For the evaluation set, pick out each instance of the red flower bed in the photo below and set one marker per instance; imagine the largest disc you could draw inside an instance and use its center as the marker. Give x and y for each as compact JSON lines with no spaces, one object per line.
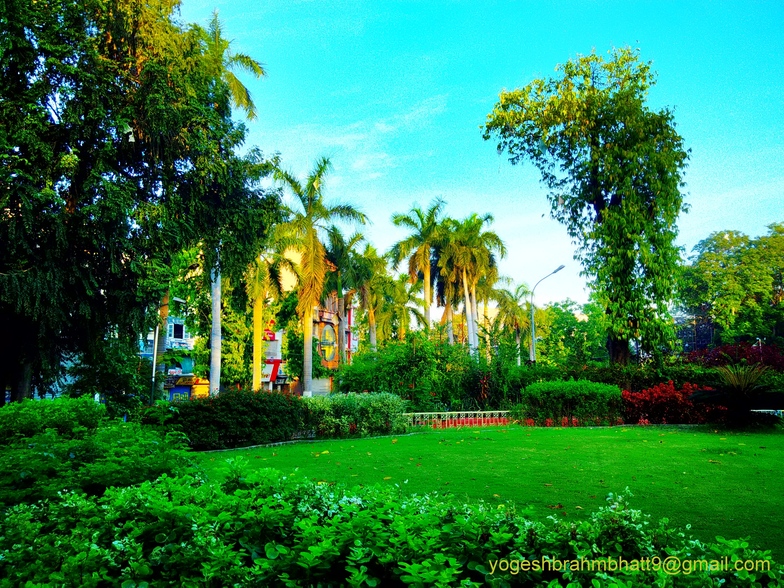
{"x":664,"y":404}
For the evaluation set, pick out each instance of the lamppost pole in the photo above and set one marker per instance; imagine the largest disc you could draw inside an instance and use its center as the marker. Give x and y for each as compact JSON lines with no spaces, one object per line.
{"x":532,"y":355}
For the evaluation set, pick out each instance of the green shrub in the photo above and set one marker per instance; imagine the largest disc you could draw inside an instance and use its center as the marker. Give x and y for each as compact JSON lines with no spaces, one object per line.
{"x":233,"y":418}
{"x":266,"y":530}
{"x":344,"y":415}
{"x":548,"y":403}
{"x":68,"y":417}
{"x":115,"y":454}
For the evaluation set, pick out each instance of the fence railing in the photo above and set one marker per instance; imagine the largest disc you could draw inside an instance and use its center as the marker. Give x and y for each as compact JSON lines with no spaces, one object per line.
{"x":463,"y":418}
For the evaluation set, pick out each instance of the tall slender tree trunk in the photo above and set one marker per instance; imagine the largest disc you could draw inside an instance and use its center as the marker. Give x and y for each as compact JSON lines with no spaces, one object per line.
{"x":372,"y":327}
{"x":486,"y":325}
{"x":475,"y":315}
{"x":215,"y":335}
{"x":160,"y":343}
{"x":467,"y":304}
{"x":258,"y":338}
{"x":519,"y":349}
{"x":450,"y":328}
{"x":428,"y":296}
{"x":307,"y":353}
{"x":341,"y":331}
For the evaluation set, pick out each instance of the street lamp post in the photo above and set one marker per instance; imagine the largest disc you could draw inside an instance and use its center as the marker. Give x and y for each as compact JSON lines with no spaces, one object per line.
{"x":532,"y":355}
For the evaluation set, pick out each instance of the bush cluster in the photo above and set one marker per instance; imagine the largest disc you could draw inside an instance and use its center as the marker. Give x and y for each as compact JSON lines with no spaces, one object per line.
{"x":66,"y":417}
{"x":576,"y":401}
{"x":345,"y":415}
{"x":265,"y":530}
{"x":53,"y":445}
{"x":241,"y":418}
{"x":665,"y":404}
{"x":233,"y":418}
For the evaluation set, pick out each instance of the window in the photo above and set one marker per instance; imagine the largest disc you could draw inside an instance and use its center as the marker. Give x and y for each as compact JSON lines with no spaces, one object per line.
{"x":178,"y":331}
{"x":170,"y":333}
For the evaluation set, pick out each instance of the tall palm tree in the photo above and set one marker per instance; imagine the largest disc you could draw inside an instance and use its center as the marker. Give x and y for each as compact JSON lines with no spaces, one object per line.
{"x":307,"y":223}
{"x":418,"y":246}
{"x":468,"y":252}
{"x":400,"y":307}
{"x":371,"y":277}
{"x":341,"y":254}
{"x":264,"y":281}
{"x":220,"y":62}
{"x":513,"y":313}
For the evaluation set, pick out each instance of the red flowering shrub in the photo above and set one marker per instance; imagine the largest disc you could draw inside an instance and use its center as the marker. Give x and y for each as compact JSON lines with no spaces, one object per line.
{"x":769,"y":355}
{"x":548,"y":422}
{"x":664,"y":404}
{"x":530,"y":423}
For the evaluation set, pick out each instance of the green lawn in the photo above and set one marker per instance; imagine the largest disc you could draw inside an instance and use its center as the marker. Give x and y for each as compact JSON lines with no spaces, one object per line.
{"x":722,"y":483}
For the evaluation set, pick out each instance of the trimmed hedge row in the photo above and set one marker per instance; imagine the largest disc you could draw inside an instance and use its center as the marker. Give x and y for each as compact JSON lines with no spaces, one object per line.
{"x":241,"y":418}
{"x":579,"y":402}
{"x":265,"y":530}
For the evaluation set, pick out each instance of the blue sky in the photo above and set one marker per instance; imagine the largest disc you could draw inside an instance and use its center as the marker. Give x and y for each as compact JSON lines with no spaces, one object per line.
{"x":395,"y":94}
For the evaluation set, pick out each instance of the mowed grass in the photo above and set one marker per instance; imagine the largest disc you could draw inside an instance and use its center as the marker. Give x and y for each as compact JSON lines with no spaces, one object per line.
{"x":720,"y":482}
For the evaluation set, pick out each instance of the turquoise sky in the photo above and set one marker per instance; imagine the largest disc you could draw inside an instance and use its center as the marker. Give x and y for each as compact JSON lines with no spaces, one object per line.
{"x":395,"y":92}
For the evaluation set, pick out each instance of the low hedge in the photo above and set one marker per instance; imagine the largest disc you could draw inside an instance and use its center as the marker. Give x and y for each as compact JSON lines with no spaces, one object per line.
{"x":345,"y":415}
{"x":241,"y":418}
{"x":233,"y":418}
{"x":266,"y":530}
{"x":576,"y":402}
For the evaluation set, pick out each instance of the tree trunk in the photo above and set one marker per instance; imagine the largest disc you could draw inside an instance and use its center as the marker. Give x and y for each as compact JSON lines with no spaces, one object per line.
{"x":372,"y":327}
{"x":215,"y":336}
{"x":160,"y":342}
{"x":450,"y":329}
{"x":469,"y":321}
{"x":23,"y":386}
{"x":475,"y":315}
{"x":428,"y":295}
{"x":618,"y":350}
{"x":307,"y":353}
{"x":341,"y":331}
{"x":519,"y":349}
{"x":258,"y":344}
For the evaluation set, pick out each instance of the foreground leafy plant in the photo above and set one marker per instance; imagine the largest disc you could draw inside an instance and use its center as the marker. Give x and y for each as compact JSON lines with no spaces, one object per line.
{"x":267,"y":530}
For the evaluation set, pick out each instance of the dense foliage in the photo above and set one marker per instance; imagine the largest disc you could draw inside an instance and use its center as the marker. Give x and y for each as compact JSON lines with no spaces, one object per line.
{"x":265,"y":529}
{"x":50,"y":446}
{"x":577,"y":402}
{"x":737,"y":284}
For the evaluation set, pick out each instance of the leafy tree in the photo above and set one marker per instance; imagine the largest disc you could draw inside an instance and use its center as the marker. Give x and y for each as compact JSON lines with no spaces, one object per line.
{"x":307,"y":224}
{"x":418,"y":247}
{"x":96,"y":104}
{"x":115,"y":141}
{"x":613,"y":169}
{"x":738,"y":283}
{"x":575,"y":334}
